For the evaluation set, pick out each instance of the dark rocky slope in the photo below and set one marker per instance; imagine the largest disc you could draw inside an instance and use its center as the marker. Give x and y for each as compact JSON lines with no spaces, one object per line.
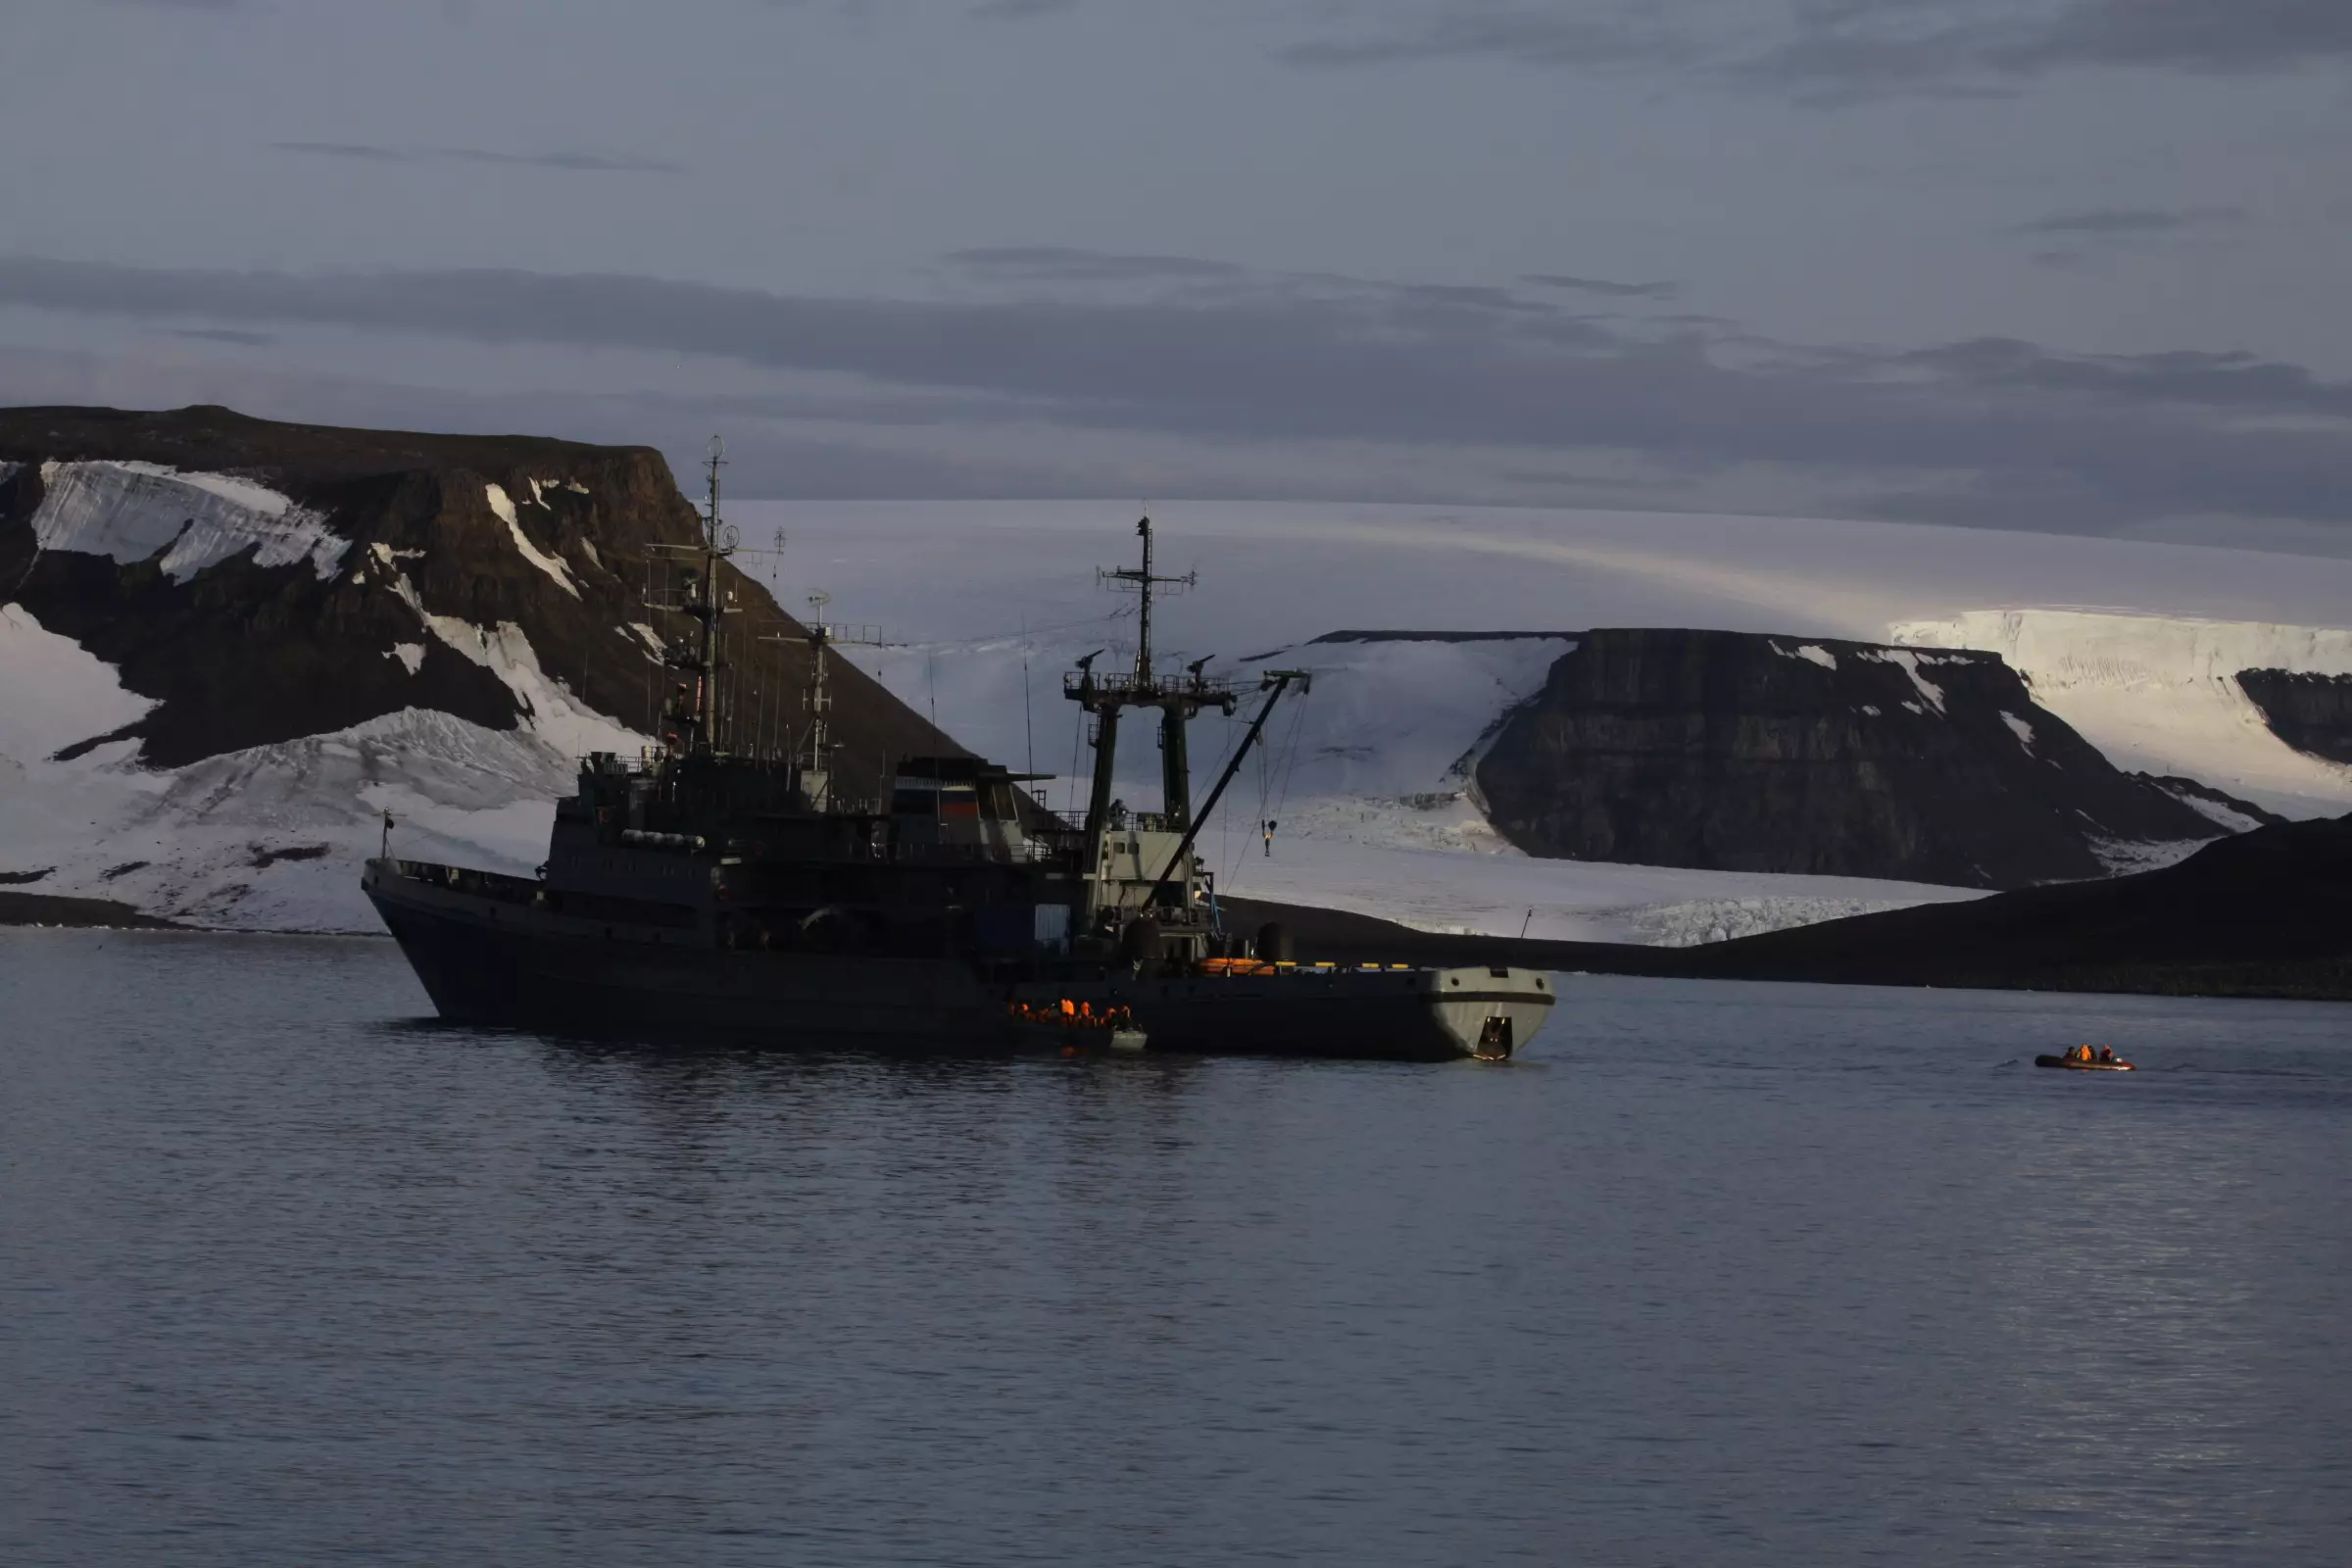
{"x":2312,"y":713}
{"x":241,"y":653}
{"x":1740,"y":751}
{"x":2267,"y":913}
{"x":40,"y":908}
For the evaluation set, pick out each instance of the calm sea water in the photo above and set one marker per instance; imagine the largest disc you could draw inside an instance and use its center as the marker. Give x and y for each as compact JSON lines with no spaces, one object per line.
{"x":1716,"y":1274}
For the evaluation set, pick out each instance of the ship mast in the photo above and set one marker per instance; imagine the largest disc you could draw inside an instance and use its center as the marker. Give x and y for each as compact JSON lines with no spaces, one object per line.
{"x":708,"y":609}
{"x":1177,"y":697}
{"x":698,"y":717}
{"x":813,"y":757}
{"x":1145,"y":582}
{"x":1177,"y":700}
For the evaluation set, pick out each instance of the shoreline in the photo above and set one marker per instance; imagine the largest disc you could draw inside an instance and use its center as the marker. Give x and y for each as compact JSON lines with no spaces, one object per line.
{"x":1341,"y":936}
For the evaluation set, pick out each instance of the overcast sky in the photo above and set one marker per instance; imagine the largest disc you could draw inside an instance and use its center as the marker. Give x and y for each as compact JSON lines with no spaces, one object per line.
{"x":2075,"y":265}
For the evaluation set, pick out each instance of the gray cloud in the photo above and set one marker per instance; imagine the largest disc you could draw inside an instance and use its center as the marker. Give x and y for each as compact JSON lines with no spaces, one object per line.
{"x":1828,"y":51}
{"x":1604,"y":286}
{"x":1623,"y":34}
{"x":1990,"y":430}
{"x":236,"y":337}
{"x":2239,"y":384}
{"x":1016,"y":10}
{"x":2231,"y":35}
{"x":572,"y":162}
{"x":2126,"y":222}
{"x":1054,"y":264}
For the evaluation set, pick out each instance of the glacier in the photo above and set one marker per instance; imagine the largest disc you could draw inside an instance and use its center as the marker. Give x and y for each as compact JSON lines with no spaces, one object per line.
{"x":2160,"y":695}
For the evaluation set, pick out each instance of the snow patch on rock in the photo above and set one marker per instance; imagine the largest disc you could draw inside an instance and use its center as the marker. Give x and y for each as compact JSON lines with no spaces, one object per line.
{"x":553,"y":565}
{"x":2234,"y":822}
{"x":1909,"y":662}
{"x":1812,"y":652}
{"x":54,"y":692}
{"x":2020,"y":729}
{"x":132,"y":511}
{"x":2129,"y":857}
{"x":410,"y":655}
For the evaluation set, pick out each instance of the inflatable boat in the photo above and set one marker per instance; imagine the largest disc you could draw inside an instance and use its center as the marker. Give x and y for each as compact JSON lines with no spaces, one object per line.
{"x":2082,"y":1065}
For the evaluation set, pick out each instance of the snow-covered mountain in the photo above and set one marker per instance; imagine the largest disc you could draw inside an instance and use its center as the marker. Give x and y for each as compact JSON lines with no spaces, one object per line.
{"x":226,"y":647}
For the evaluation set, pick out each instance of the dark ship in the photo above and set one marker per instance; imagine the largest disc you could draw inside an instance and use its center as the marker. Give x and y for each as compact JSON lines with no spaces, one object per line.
{"x":691,"y":892}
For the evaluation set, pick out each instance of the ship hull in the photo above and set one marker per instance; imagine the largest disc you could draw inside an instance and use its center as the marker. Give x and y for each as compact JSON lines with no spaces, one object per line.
{"x":484,"y":961}
{"x":502,"y":961}
{"x":1384,"y":1014}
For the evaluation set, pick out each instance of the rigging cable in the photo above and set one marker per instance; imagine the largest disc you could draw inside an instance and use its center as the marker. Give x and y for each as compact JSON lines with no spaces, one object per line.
{"x":1286,"y":767}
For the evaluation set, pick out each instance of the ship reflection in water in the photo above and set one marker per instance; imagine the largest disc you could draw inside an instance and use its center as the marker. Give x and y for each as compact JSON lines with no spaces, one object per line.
{"x":1729,"y":1274}
{"x":696,"y":890}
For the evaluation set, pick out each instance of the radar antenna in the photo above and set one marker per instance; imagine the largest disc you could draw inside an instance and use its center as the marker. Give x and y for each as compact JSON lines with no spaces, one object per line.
{"x":1144,"y":580}
{"x":814,"y":757}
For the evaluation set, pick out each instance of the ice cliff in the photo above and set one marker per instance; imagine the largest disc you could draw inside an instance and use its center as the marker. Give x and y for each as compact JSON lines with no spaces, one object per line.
{"x":2241,"y":706}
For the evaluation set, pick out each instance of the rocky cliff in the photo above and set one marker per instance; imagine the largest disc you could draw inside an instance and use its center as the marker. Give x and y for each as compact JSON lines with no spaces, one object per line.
{"x":1740,"y":752}
{"x":226,"y":645}
{"x":263,"y":581}
{"x":2312,"y":712}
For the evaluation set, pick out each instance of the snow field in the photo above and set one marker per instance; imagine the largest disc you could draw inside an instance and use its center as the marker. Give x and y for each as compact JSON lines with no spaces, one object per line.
{"x":1571,"y":901}
{"x":206,"y":843}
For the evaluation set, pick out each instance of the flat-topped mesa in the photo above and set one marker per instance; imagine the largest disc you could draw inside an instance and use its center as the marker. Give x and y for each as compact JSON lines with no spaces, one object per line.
{"x":264,"y":581}
{"x":1745,"y":751}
